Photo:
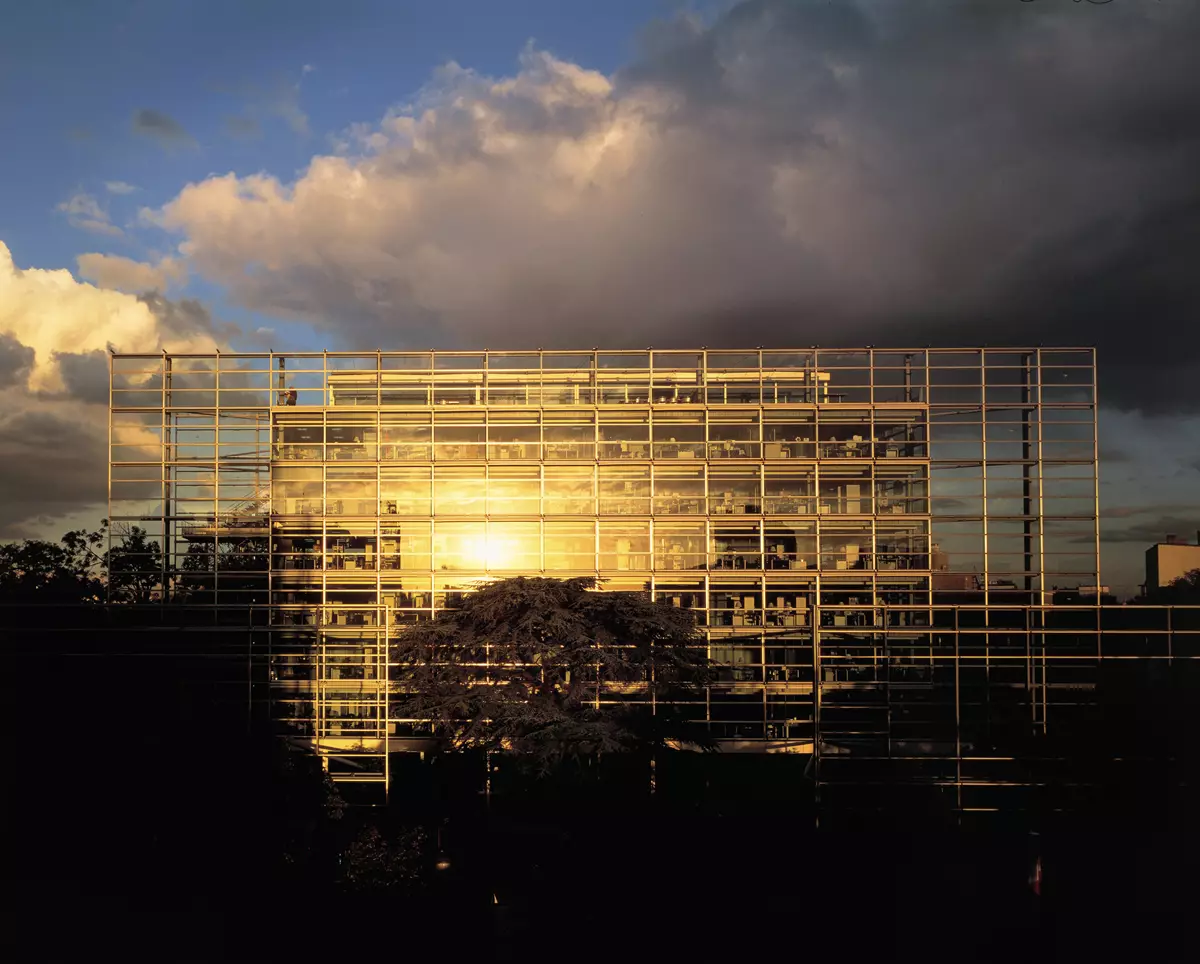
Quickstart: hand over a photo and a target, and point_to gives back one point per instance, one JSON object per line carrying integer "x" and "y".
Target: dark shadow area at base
{"x": 134, "y": 813}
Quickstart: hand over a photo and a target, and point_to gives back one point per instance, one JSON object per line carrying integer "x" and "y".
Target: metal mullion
{"x": 167, "y": 490}
{"x": 983, "y": 474}
{"x": 111, "y": 369}
{"x": 1096, "y": 502}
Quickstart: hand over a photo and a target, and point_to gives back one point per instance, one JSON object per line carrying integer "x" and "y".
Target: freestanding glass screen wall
{"x": 816, "y": 509}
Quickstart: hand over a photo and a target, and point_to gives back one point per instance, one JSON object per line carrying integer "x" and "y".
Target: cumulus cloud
{"x": 125, "y": 274}
{"x": 83, "y": 211}
{"x": 161, "y": 127}
{"x": 119, "y": 187}
{"x": 55, "y": 334}
{"x": 15, "y": 360}
{"x": 789, "y": 173}
{"x": 50, "y": 312}
{"x": 185, "y": 321}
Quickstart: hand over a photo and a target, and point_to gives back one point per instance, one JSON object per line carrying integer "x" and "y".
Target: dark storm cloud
{"x": 85, "y": 375}
{"x": 890, "y": 173}
{"x": 16, "y": 360}
{"x": 185, "y": 316}
{"x": 1040, "y": 163}
{"x": 1157, "y": 528}
{"x": 161, "y": 127}
{"x": 52, "y": 466}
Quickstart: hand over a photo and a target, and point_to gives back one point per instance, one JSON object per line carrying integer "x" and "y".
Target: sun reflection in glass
{"x": 490, "y": 552}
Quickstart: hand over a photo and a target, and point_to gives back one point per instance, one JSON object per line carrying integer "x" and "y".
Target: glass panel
{"x": 718, "y": 360}
{"x": 619, "y": 360}
{"x": 844, "y": 491}
{"x": 734, "y": 494}
{"x": 846, "y": 546}
{"x": 407, "y": 362}
{"x": 367, "y": 363}
{"x": 458, "y": 491}
{"x": 624, "y": 435}
{"x": 446, "y": 361}
{"x": 678, "y": 440}
{"x": 570, "y": 545}
{"x": 624, "y": 546}
{"x": 569, "y": 436}
{"x": 679, "y": 546}
{"x": 787, "y": 359}
{"x": 513, "y": 362}
{"x": 736, "y": 546}
{"x": 296, "y": 490}
{"x": 789, "y": 435}
{"x": 512, "y": 494}
{"x": 569, "y": 490}
{"x": 513, "y": 440}
{"x": 791, "y": 546}
{"x": 559, "y": 362}
{"x": 900, "y": 435}
{"x": 679, "y": 492}
{"x": 624, "y": 490}
{"x": 404, "y": 491}
{"x": 455, "y": 441}
{"x": 789, "y": 493}
{"x": 734, "y": 438}
{"x": 512, "y": 547}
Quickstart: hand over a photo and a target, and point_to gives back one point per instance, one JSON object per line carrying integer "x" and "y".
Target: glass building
{"x": 856, "y": 530}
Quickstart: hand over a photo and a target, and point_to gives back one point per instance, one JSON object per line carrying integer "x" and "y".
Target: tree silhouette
{"x": 47, "y": 573}
{"x": 551, "y": 669}
{"x": 242, "y": 567}
{"x": 1184, "y": 591}
{"x": 134, "y": 568}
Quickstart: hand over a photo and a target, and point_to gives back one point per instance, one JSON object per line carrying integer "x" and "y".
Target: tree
{"x": 241, "y": 564}
{"x": 42, "y": 572}
{"x": 134, "y": 568}
{"x": 374, "y": 862}
{"x": 552, "y": 669}
{"x": 1184, "y": 591}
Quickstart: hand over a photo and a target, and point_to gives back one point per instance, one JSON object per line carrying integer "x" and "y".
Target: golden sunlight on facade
{"x": 813, "y": 509}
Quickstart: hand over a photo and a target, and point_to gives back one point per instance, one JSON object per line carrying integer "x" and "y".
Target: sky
{"x": 554, "y": 173}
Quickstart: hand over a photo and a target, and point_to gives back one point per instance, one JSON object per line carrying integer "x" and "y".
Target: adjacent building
{"x": 1168, "y": 561}
{"x": 866, "y": 536}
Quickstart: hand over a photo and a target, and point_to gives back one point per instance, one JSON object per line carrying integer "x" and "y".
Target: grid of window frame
{"x": 814, "y": 508}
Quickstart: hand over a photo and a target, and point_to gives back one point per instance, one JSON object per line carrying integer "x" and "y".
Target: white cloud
{"x": 119, "y": 187}
{"x": 83, "y": 211}
{"x": 50, "y": 312}
{"x": 465, "y": 211}
{"x": 55, "y": 333}
{"x": 125, "y": 274}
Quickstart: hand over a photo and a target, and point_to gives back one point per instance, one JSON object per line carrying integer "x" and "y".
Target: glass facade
{"x": 820, "y": 511}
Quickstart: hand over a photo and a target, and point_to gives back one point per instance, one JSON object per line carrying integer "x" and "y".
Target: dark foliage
{"x": 38, "y": 572}
{"x": 1184, "y": 591}
{"x": 375, "y": 862}
{"x": 550, "y": 669}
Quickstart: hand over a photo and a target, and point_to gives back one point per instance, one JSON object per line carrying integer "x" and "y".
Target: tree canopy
{"x": 60, "y": 573}
{"x": 552, "y": 668}
{"x": 1184, "y": 591}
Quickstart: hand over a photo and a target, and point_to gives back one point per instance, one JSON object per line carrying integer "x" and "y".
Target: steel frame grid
{"x": 275, "y": 396}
